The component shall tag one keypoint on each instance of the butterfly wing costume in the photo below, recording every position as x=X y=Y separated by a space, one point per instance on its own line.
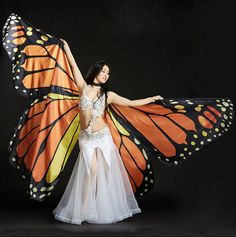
x=171 y=129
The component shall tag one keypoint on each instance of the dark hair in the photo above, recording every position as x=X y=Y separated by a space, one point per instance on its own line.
x=93 y=71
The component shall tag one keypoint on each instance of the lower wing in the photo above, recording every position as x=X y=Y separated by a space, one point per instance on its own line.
x=43 y=141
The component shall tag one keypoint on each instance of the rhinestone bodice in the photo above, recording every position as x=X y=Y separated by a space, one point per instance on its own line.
x=97 y=105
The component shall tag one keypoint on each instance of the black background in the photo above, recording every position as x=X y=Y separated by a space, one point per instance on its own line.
x=181 y=48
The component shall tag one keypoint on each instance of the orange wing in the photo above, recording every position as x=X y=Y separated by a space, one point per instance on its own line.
x=169 y=129
x=48 y=128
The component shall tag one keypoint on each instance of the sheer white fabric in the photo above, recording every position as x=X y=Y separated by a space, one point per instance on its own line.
x=98 y=190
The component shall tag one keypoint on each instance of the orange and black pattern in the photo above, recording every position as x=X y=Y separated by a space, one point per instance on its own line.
x=48 y=129
x=171 y=129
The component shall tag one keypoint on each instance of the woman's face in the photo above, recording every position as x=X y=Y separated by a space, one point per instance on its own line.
x=103 y=76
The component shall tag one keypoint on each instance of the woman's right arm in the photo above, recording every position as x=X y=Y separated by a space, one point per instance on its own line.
x=75 y=70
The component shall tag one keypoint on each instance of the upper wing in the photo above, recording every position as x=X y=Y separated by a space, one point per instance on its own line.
x=48 y=128
x=169 y=129
x=38 y=60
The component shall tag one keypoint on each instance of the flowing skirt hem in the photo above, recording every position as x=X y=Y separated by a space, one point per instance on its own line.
x=99 y=190
x=93 y=218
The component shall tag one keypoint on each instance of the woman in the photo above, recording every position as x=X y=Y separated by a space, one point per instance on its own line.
x=62 y=104
x=99 y=190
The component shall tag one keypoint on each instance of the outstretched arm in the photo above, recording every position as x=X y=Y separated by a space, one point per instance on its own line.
x=75 y=70
x=120 y=100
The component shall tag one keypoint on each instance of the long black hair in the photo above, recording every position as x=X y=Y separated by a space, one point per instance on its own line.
x=93 y=71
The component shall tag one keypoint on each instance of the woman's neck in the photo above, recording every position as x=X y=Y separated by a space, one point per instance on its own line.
x=96 y=84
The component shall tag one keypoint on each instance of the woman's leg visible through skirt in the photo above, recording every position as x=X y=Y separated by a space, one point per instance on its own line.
x=93 y=172
x=92 y=177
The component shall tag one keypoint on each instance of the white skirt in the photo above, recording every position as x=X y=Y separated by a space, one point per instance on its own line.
x=98 y=190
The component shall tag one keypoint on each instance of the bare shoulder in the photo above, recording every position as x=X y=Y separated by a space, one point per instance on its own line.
x=110 y=95
x=115 y=98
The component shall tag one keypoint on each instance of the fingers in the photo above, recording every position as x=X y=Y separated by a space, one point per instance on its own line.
x=158 y=97
x=63 y=41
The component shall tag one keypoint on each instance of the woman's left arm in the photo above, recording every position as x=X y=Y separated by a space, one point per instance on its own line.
x=120 y=100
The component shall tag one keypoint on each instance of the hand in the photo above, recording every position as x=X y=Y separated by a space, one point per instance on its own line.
x=157 y=97
x=65 y=44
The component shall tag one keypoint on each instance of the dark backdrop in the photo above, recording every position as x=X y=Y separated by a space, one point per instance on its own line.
x=175 y=48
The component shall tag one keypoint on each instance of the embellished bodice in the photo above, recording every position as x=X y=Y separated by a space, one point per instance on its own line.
x=96 y=105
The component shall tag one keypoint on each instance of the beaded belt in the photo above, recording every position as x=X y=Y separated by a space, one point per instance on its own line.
x=97 y=134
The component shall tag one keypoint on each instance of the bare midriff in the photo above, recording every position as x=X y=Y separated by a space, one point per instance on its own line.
x=96 y=124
